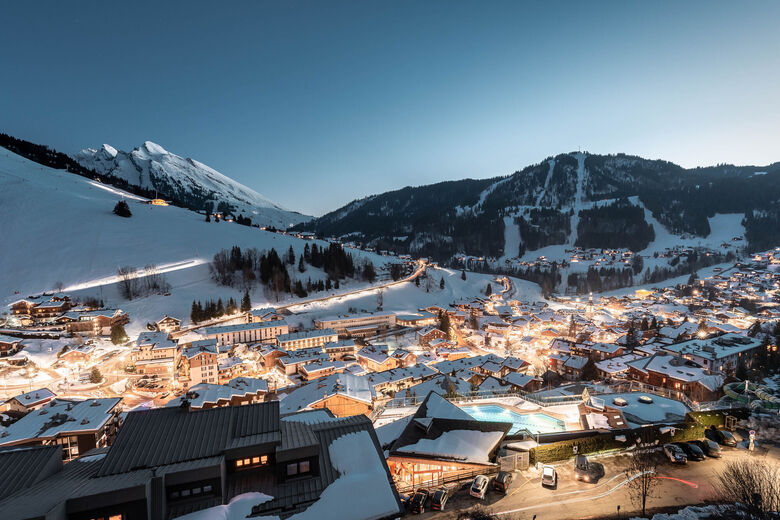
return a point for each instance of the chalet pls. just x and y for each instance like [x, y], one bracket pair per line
[154, 353]
[524, 382]
[50, 309]
[237, 392]
[441, 441]
[719, 354]
[306, 339]
[265, 331]
[676, 373]
[198, 364]
[295, 359]
[25, 305]
[317, 369]
[343, 394]
[427, 334]
[375, 358]
[9, 345]
[24, 403]
[422, 319]
[452, 353]
[168, 324]
[340, 350]
[76, 426]
[264, 314]
[616, 367]
[397, 379]
[406, 358]
[168, 462]
[96, 323]
[77, 353]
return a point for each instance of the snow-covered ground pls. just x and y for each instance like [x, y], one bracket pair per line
[59, 228]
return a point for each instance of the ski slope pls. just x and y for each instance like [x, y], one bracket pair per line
[59, 229]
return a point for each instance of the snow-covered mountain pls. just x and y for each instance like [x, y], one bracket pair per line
[573, 200]
[186, 181]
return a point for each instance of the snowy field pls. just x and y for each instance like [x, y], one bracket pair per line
[75, 239]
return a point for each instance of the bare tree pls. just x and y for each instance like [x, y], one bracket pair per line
[128, 282]
[754, 485]
[59, 286]
[641, 470]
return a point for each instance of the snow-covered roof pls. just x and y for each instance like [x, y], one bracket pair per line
[34, 397]
[227, 329]
[58, 417]
[205, 393]
[345, 384]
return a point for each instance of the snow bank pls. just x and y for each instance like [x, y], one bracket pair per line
[238, 508]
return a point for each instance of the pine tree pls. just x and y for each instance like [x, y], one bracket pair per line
[246, 302]
[417, 281]
[488, 289]
[463, 274]
[291, 255]
[194, 313]
[208, 217]
[118, 334]
[336, 283]
[301, 265]
[220, 308]
[122, 209]
[441, 284]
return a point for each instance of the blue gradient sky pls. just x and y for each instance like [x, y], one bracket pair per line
[316, 103]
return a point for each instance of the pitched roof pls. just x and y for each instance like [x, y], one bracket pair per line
[161, 436]
[22, 467]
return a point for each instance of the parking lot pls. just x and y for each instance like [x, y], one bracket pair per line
[679, 485]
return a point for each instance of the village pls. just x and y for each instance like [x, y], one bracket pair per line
[497, 382]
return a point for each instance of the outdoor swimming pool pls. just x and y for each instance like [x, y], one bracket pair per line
[533, 422]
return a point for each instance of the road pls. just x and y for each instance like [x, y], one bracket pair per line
[678, 486]
[420, 269]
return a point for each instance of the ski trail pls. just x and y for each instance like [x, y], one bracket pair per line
[546, 183]
[575, 219]
[511, 238]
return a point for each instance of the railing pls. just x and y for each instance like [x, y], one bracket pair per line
[448, 479]
[551, 400]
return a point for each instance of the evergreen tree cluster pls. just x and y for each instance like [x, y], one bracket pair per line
[617, 225]
[597, 279]
[212, 309]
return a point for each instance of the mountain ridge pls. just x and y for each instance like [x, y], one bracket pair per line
[152, 167]
[545, 201]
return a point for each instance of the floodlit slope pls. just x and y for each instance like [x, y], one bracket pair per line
[152, 167]
[59, 227]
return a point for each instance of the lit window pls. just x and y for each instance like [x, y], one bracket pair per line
[264, 459]
[239, 463]
[255, 460]
[303, 467]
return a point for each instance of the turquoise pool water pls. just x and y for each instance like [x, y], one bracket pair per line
[533, 422]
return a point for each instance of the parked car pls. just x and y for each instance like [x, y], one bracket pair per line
[723, 437]
[710, 448]
[581, 468]
[691, 450]
[479, 487]
[675, 454]
[549, 476]
[438, 499]
[502, 481]
[417, 503]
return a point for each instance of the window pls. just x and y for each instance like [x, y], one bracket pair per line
[304, 467]
[185, 492]
[292, 469]
[207, 488]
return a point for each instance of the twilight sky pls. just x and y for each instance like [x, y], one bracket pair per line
[315, 103]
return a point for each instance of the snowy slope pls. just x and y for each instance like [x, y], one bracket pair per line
[59, 227]
[150, 166]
